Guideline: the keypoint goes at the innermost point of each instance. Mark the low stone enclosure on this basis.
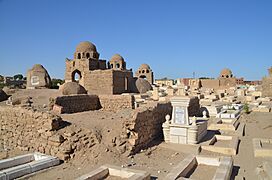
(224, 125)
(86, 102)
(25, 164)
(222, 144)
(32, 130)
(109, 171)
(229, 114)
(202, 167)
(262, 147)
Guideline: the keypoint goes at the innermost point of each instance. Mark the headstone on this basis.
(180, 110)
(155, 93)
(170, 91)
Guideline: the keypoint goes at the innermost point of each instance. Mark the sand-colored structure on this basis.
(38, 77)
(145, 72)
(267, 84)
(94, 74)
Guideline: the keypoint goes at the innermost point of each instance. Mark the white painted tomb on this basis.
(18, 166)
(180, 129)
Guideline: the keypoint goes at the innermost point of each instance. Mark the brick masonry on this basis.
(145, 125)
(31, 130)
(76, 103)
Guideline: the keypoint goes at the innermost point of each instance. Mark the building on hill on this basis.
(164, 82)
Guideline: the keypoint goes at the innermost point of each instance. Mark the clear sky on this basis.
(175, 37)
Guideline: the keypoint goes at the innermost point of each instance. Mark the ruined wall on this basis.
(227, 82)
(30, 130)
(86, 102)
(210, 83)
(122, 80)
(76, 103)
(145, 125)
(99, 82)
(267, 87)
(116, 102)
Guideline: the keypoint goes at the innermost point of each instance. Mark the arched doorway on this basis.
(76, 75)
(143, 76)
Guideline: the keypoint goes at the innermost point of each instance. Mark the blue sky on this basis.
(176, 38)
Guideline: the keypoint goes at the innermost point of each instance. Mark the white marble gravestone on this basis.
(180, 130)
(180, 110)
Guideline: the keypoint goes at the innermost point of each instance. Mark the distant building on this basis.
(183, 81)
(145, 72)
(164, 82)
(240, 81)
(225, 80)
(10, 81)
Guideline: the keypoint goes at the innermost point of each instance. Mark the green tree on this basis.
(246, 108)
(18, 76)
(56, 83)
(1, 78)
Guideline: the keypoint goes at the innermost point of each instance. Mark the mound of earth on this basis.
(70, 88)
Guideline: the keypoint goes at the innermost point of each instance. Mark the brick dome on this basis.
(226, 73)
(144, 66)
(117, 58)
(86, 46)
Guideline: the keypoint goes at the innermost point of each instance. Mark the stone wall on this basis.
(85, 102)
(116, 102)
(76, 103)
(30, 130)
(144, 126)
(210, 83)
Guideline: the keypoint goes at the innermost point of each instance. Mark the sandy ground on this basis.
(160, 159)
(157, 160)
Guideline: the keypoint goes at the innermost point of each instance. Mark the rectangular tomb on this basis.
(223, 144)
(25, 164)
(110, 172)
(202, 167)
(225, 125)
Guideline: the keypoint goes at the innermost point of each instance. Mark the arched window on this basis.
(147, 71)
(78, 56)
(227, 76)
(143, 71)
(117, 65)
(87, 55)
(111, 65)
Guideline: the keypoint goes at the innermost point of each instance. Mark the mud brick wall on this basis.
(31, 130)
(76, 103)
(267, 87)
(116, 102)
(145, 125)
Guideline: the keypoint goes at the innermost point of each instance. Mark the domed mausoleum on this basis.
(117, 62)
(145, 72)
(96, 75)
(226, 73)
